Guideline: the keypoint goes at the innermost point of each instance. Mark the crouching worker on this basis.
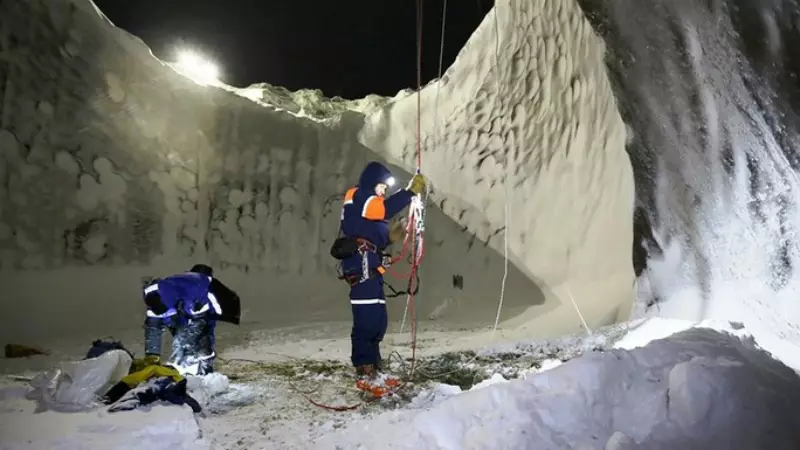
(364, 237)
(188, 305)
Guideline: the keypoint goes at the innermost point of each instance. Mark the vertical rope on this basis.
(419, 84)
(506, 190)
(409, 229)
(439, 83)
(414, 242)
(578, 310)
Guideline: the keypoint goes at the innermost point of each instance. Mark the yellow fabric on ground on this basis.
(133, 379)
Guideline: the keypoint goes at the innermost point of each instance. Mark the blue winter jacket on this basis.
(184, 294)
(366, 215)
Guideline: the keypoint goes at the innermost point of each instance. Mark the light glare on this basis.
(197, 68)
(390, 181)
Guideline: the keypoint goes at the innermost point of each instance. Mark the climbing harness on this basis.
(345, 247)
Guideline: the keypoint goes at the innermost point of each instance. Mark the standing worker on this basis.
(364, 236)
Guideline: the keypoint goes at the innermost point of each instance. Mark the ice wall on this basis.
(115, 167)
(526, 117)
(710, 90)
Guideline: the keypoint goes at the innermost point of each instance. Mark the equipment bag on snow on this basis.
(100, 346)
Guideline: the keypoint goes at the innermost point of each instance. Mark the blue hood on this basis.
(373, 174)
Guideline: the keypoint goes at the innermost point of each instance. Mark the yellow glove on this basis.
(417, 184)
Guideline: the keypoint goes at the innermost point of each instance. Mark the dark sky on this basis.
(348, 48)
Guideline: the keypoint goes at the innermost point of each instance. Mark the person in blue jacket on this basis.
(365, 227)
(189, 305)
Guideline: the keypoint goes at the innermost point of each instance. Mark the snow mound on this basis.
(646, 331)
(309, 102)
(696, 389)
(437, 393)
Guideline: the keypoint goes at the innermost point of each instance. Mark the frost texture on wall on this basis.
(112, 158)
(89, 176)
(116, 167)
(710, 91)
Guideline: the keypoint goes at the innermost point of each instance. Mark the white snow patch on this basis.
(434, 395)
(218, 395)
(494, 379)
(550, 364)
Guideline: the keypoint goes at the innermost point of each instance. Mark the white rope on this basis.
(512, 159)
(439, 83)
(507, 194)
(578, 310)
(405, 314)
(417, 225)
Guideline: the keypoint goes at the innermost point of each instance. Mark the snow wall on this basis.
(116, 167)
(711, 93)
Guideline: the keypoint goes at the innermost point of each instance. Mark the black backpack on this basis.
(101, 346)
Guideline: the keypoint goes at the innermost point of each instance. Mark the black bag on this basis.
(229, 302)
(101, 346)
(344, 247)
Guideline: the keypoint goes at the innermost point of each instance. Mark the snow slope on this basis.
(117, 167)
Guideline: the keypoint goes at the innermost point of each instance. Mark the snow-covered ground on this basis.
(613, 389)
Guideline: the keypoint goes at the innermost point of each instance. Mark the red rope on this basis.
(415, 258)
(338, 408)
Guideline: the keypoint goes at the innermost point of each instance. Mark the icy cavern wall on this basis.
(526, 117)
(115, 167)
(711, 93)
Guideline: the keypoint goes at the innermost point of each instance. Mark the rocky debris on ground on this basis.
(22, 351)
